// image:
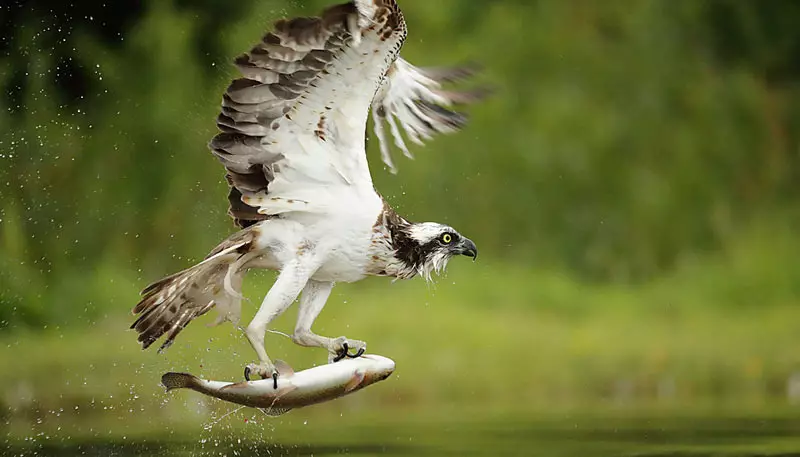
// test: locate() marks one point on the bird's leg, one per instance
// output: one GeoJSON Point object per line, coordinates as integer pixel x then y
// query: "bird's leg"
{"type": "Point", "coordinates": [286, 288]}
{"type": "Point", "coordinates": [315, 294]}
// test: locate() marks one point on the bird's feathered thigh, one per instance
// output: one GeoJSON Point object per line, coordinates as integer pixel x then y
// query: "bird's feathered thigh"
{"type": "Point", "coordinates": [335, 248]}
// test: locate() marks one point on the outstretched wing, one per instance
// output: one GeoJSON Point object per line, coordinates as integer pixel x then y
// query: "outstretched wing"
{"type": "Point", "coordinates": [293, 127]}
{"type": "Point", "coordinates": [417, 99]}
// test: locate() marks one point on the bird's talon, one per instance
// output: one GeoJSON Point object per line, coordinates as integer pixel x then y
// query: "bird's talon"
{"type": "Point", "coordinates": [341, 354]}
{"type": "Point", "coordinates": [340, 349]}
{"type": "Point", "coordinates": [357, 354]}
{"type": "Point", "coordinates": [263, 370]}
{"type": "Point", "coordinates": [275, 380]}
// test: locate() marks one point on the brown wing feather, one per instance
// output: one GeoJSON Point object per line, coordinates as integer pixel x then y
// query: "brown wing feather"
{"type": "Point", "coordinates": [243, 214]}
{"type": "Point", "coordinates": [277, 72]}
{"type": "Point", "coordinates": [415, 98]}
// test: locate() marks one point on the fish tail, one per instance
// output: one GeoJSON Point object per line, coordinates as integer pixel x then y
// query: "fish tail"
{"type": "Point", "coordinates": [179, 381]}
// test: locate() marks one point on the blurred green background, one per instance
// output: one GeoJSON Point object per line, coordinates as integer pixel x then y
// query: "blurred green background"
{"type": "Point", "coordinates": [633, 186]}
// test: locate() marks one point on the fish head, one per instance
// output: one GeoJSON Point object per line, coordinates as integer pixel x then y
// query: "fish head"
{"type": "Point", "coordinates": [378, 369]}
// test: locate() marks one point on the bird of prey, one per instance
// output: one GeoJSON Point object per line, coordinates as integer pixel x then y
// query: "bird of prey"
{"type": "Point", "coordinates": [293, 142]}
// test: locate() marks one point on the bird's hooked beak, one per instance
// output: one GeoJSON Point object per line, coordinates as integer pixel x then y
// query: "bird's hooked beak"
{"type": "Point", "coordinates": [467, 247]}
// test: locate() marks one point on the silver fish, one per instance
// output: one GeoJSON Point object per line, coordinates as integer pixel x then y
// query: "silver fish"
{"type": "Point", "coordinates": [295, 390]}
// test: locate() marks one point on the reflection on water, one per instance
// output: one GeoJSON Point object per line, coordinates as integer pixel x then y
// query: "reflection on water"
{"type": "Point", "coordinates": [186, 449]}
{"type": "Point", "coordinates": [585, 438]}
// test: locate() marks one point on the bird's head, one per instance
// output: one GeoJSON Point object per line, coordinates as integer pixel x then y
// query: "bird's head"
{"type": "Point", "coordinates": [427, 247]}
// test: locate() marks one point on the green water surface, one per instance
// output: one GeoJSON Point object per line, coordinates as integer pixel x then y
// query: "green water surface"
{"type": "Point", "coordinates": [566, 436]}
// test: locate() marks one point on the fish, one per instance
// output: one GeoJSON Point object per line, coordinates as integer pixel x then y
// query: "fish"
{"type": "Point", "coordinates": [294, 390]}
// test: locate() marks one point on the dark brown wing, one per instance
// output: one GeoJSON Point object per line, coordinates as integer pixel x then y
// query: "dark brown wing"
{"type": "Point", "coordinates": [295, 82]}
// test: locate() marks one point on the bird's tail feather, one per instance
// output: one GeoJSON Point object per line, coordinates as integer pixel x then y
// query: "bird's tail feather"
{"type": "Point", "coordinates": [168, 305]}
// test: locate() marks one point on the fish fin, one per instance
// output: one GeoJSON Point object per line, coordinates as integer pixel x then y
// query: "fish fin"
{"type": "Point", "coordinates": [178, 380]}
{"type": "Point", "coordinates": [353, 383]}
{"type": "Point", "coordinates": [283, 368]}
{"type": "Point", "coordinates": [275, 412]}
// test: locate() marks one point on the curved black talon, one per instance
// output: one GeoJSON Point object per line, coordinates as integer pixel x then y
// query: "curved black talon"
{"type": "Point", "coordinates": [275, 380]}
{"type": "Point", "coordinates": [357, 354]}
{"type": "Point", "coordinates": [342, 354]}
{"type": "Point", "coordinates": [247, 373]}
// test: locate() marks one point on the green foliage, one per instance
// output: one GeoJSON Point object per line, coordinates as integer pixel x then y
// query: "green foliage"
{"type": "Point", "coordinates": [632, 185]}
{"type": "Point", "coordinates": [624, 140]}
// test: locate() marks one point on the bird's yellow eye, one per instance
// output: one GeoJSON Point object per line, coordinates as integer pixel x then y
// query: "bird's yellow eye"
{"type": "Point", "coordinates": [447, 238]}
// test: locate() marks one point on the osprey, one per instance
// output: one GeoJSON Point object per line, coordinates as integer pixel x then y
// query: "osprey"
{"type": "Point", "coordinates": [292, 139]}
